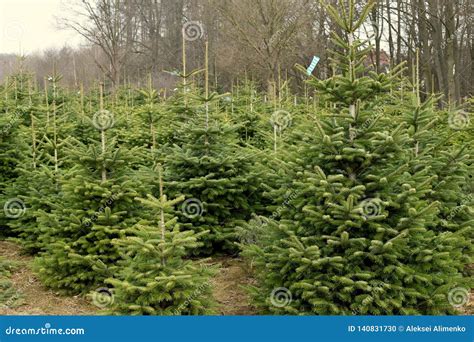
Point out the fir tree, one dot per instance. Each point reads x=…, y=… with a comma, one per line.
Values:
x=246, y=109
x=207, y=166
x=97, y=205
x=14, y=112
x=39, y=143
x=155, y=278
x=362, y=233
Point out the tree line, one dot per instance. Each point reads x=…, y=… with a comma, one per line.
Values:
x=127, y=40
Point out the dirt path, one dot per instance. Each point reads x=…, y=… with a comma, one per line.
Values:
x=38, y=300
x=232, y=299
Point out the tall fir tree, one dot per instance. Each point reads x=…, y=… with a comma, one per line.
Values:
x=362, y=234
x=156, y=279
x=97, y=205
x=15, y=110
x=39, y=142
x=207, y=166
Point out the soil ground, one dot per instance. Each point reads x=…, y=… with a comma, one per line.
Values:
x=231, y=298
x=38, y=300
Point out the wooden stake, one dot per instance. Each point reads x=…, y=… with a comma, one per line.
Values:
x=417, y=77
x=162, y=213
x=184, y=70
x=206, y=61
x=33, y=140
x=274, y=137
x=151, y=104
x=56, y=164
x=279, y=86
x=74, y=70
x=215, y=74
x=102, y=131
x=30, y=102
x=46, y=95
x=82, y=97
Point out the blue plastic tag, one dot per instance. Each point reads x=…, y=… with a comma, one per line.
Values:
x=313, y=64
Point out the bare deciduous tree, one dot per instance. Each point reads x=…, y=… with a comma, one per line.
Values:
x=108, y=24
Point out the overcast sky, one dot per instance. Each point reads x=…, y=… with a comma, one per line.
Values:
x=28, y=26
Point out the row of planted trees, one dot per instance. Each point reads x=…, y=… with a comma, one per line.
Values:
x=354, y=201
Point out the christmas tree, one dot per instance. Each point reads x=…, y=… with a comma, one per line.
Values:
x=15, y=107
x=97, y=205
x=362, y=234
x=155, y=278
x=211, y=170
x=39, y=144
